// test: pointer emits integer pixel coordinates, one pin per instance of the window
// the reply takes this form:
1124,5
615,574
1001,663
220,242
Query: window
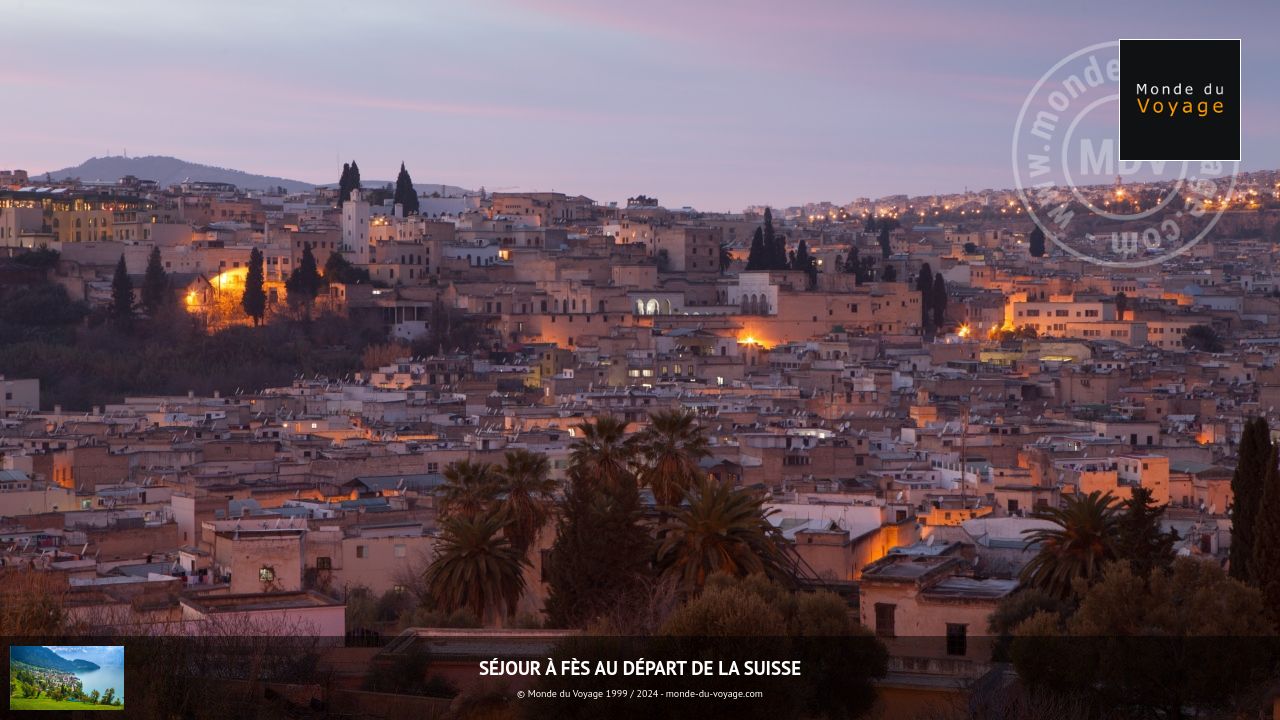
884,619
399,551
360,552
267,574
324,563
957,639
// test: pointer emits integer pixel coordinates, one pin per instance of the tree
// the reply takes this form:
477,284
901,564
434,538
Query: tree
121,307
756,258
1122,302
970,249
671,447
349,181
1246,489
1140,540
602,555
721,529
885,248
155,284
469,488
1083,541
1189,637
337,269
1035,242
726,258
406,196
1203,338
526,495
1266,541
889,274
476,567
775,246
254,299
924,285
108,696
304,282
93,697
602,455
938,299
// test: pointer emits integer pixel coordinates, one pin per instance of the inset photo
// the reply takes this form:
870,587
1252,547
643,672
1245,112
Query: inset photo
66,677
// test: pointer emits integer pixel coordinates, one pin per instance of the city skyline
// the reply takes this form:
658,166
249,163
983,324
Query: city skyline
682,103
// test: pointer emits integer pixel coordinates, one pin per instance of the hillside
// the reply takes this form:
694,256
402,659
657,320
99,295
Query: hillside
169,171
42,657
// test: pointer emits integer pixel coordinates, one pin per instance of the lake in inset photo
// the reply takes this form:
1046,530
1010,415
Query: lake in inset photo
66,677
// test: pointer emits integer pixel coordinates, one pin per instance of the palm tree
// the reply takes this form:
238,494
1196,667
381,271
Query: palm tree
1083,541
476,566
526,495
720,529
671,447
469,488
602,454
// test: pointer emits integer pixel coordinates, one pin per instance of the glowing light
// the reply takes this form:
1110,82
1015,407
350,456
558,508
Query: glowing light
964,331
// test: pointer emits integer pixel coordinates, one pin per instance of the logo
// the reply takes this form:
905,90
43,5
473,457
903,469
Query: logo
1087,200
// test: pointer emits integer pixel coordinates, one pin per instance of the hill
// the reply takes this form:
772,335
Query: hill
42,657
170,171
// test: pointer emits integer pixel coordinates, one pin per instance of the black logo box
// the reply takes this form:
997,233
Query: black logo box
1186,65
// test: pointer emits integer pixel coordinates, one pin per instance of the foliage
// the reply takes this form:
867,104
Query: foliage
671,447
768,249
304,283
254,300
1189,637
1246,488
476,567
156,292
121,307
337,269
720,529
39,257
938,300
1083,541
1203,338
469,488
1265,566
602,455
406,196
1035,242
526,496
1139,539
601,556
349,181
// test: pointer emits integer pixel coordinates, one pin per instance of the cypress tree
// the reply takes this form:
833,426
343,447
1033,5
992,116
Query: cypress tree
355,176
405,195
775,247
344,183
939,300
1036,242
1141,541
1265,564
1246,488
889,274
601,555
756,259
155,284
885,249
924,285
121,307
304,282
254,300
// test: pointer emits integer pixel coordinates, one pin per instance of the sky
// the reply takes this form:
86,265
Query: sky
716,104
104,655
